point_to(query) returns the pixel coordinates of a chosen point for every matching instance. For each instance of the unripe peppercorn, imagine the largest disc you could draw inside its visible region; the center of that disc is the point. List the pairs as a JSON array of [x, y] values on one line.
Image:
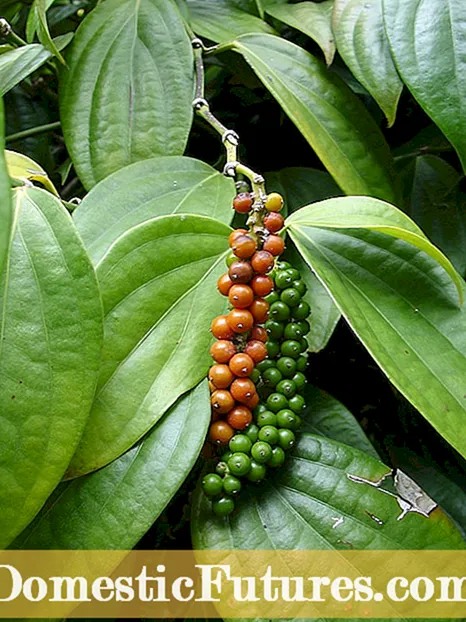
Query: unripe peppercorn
[[241, 365], [274, 244], [240, 320], [242, 203], [242, 389], [220, 433], [241, 271], [260, 310], [239, 417], [240, 296], [274, 202], [222, 401], [257, 350], [259, 333], [262, 262], [223, 284], [222, 351], [244, 247], [274, 222], [220, 328], [262, 285], [235, 234], [221, 376]]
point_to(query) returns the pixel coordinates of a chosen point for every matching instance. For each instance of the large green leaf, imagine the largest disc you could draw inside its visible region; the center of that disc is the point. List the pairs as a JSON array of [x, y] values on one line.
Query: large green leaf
[[333, 120], [144, 190], [299, 186], [328, 417], [437, 205], [23, 170], [311, 18], [428, 42], [158, 284], [51, 330], [6, 214], [128, 91], [113, 508], [221, 20], [400, 301], [362, 42], [17, 64], [313, 502]]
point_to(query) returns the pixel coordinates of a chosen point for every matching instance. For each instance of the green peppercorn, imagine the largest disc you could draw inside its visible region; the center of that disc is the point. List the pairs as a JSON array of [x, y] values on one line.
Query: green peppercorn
[[273, 348], [300, 381], [288, 419], [304, 327], [223, 506], [301, 363], [271, 377], [278, 457], [241, 443], [301, 311], [293, 273], [300, 285], [226, 456], [261, 452], [282, 279], [255, 375], [287, 387], [263, 365], [231, 485], [269, 434], [222, 468], [279, 311], [276, 402], [293, 331], [286, 366], [283, 265], [257, 472], [239, 464], [286, 439], [272, 297], [297, 404], [230, 258], [291, 297], [291, 348], [274, 329], [212, 485], [260, 408], [266, 418]]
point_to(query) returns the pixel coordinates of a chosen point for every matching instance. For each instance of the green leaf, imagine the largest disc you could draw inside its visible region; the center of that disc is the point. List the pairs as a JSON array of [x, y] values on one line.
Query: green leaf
[[400, 302], [299, 186], [51, 332], [330, 117], [144, 190], [362, 42], [314, 20], [158, 283], [221, 20], [18, 64], [437, 205], [113, 508], [37, 22], [127, 94], [328, 417], [428, 43], [24, 170], [300, 505], [6, 214]]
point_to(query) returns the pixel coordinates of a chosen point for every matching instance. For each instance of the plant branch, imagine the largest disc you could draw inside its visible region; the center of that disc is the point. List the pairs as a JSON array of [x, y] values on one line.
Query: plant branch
[[33, 131]]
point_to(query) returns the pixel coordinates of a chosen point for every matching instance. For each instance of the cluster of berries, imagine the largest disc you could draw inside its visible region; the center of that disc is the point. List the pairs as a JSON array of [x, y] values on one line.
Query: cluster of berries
[[258, 376]]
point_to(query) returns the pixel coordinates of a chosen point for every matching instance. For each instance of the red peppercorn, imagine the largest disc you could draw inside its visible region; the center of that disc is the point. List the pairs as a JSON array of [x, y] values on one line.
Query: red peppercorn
[[242, 389], [260, 310], [222, 401], [241, 271], [220, 328], [222, 351], [256, 350], [223, 284], [241, 296], [262, 285], [259, 333], [274, 222], [242, 203], [241, 365], [221, 376], [240, 320], [244, 246], [220, 433], [236, 233], [262, 262], [239, 417], [275, 245]]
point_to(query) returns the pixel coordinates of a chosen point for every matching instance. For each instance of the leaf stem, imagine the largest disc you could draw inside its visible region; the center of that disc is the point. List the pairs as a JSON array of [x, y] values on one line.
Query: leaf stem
[[32, 131]]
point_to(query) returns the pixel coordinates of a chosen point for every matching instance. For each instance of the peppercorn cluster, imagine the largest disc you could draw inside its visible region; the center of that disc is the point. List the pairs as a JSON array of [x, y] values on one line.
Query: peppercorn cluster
[[258, 375]]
